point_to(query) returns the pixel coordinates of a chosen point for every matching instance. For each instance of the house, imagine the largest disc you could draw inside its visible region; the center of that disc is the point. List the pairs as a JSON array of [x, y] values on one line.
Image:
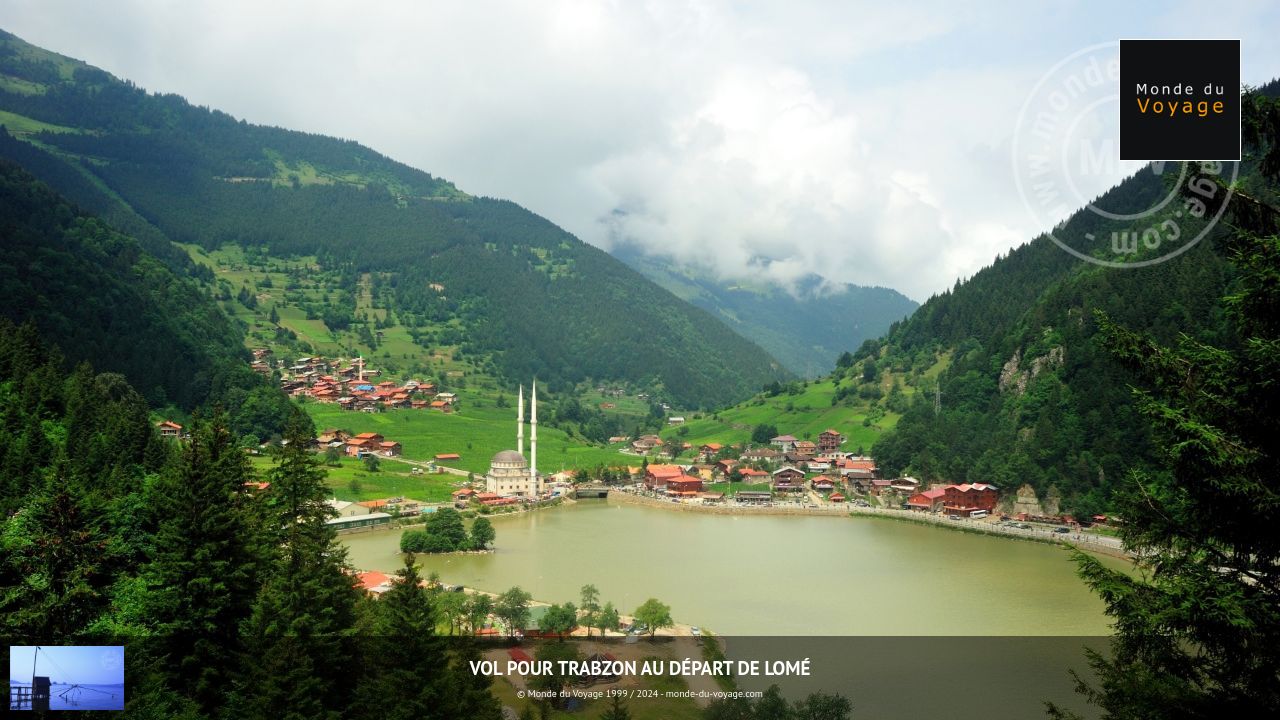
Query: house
[[751, 475], [347, 509], [684, 486], [708, 451], [788, 479], [969, 498], [797, 458], [169, 429], [372, 582], [761, 455], [358, 447], [927, 501], [906, 484], [331, 435], [837, 497], [645, 443], [804, 447], [390, 448], [822, 483], [374, 438], [784, 443], [359, 522], [675, 420], [726, 466], [879, 486], [656, 476], [442, 457], [857, 466], [463, 494], [829, 441]]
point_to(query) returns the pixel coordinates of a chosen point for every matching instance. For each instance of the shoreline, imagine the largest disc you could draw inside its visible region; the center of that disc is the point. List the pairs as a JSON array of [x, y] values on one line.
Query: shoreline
[[1099, 545]]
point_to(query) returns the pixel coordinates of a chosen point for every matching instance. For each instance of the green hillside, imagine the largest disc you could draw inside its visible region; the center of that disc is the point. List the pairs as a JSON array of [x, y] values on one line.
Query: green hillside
[[98, 294], [492, 281], [805, 326]]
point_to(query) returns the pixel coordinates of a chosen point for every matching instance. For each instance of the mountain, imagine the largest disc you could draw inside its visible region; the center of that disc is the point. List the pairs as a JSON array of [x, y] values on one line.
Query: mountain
[[805, 327], [106, 300], [1004, 378], [493, 281]]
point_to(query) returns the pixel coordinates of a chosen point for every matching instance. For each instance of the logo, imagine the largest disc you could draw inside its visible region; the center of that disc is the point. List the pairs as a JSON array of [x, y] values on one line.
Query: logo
[[1065, 157]]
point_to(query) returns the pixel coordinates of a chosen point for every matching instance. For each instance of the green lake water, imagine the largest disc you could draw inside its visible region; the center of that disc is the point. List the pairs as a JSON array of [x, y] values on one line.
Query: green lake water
[[775, 575]]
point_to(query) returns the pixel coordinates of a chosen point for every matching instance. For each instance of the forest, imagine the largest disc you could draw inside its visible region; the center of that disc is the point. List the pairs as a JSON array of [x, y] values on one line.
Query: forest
[[1031, 395], [531, 298], [100, 295]]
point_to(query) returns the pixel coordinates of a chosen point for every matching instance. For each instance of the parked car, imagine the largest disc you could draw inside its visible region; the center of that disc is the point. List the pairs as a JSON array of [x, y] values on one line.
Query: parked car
[[1062, 530]]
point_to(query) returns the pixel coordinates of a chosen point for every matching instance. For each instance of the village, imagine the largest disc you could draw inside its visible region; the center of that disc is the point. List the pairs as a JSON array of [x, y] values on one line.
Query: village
[[350, 384]]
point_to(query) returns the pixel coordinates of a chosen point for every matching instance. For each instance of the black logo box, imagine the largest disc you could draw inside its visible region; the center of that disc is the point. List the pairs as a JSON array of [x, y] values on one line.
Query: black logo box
[[1186, 68]]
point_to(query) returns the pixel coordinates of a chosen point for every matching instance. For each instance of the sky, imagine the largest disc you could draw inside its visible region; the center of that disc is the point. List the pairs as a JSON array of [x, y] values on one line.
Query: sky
[[864, 142], [82, 665]]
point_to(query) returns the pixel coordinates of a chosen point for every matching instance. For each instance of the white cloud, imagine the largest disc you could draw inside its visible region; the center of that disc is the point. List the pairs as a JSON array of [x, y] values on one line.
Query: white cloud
[[864, 142]]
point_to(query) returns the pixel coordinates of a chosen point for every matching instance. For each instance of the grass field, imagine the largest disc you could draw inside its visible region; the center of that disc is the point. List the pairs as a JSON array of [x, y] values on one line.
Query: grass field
[[391, 480], [23, 125], [803, 415], [474, 433]]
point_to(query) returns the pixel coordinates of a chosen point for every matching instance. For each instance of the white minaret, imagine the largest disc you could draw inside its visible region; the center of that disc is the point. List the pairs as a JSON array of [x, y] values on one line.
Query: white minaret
[[520, 423], [533, 441]]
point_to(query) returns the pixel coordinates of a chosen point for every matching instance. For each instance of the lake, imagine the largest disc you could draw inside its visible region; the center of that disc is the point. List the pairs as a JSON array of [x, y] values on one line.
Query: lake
[[775, 575]]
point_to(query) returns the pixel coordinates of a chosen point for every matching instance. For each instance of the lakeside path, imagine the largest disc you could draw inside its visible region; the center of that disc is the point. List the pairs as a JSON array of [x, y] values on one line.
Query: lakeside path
[[1102, 544]]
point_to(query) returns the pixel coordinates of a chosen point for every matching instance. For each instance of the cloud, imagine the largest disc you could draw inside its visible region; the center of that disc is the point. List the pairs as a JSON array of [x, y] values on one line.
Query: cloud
[[867, 143]]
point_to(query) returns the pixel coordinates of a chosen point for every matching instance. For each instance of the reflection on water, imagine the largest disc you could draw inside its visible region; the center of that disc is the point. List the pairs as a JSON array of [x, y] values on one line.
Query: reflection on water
[[775, 575]]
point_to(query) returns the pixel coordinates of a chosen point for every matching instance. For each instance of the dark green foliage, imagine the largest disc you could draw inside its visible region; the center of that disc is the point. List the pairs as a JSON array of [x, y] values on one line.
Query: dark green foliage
[[762, 434], [482, 533], [1073, 428], [512, 607], [305, 609], [530, 297], [444, 532], [100, 294], [1198, 630], [403, 657], [205, 565]]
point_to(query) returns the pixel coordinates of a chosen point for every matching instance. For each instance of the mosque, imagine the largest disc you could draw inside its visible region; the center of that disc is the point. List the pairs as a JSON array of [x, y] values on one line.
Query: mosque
[[509, 474]]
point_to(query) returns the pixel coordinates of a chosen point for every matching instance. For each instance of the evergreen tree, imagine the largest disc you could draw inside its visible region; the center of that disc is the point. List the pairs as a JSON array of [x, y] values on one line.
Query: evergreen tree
[[205, 569], [58, 564], [305, 610], [403, 659], [1198, 631]]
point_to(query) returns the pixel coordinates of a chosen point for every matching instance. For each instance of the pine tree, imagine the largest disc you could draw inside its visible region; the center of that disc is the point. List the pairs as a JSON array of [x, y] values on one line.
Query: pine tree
[[205, 571], [304, 615], [404, 667], [1198, 632]]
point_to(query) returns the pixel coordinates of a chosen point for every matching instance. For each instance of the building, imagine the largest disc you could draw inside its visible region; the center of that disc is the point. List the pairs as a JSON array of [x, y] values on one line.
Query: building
[[390, 448], [347, 509], [359, 522], [829, 441], [656, 476], [927, 501], [169, 429], [684, 486], [969, 498], [510, 475], [784, 443], [804, 447], [709, 451], [822, 483], [788, 479]]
